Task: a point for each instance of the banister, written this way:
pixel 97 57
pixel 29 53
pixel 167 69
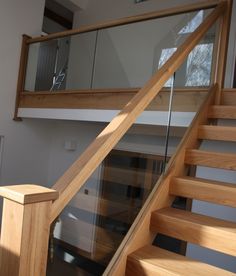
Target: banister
pixel 128 20
pixel 25 229
pixel 81 170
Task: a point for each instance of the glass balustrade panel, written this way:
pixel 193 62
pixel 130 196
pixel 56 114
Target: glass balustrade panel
pixel 96 220
pixel 120 57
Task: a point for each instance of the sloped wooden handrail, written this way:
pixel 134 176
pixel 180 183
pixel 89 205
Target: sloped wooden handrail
pixel 127 20
pixel 139 234
pixel 69 184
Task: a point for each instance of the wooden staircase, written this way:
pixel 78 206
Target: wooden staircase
pixel 209 232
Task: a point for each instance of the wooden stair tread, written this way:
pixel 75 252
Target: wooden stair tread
pixel 222 112
pixel 205 231
pixel 151 260
pixel 204 189
pixel 220 133
pixel 210 159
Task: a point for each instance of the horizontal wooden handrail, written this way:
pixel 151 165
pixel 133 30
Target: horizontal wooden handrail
pixel 81 170
pixel 134 90
pixel 128 20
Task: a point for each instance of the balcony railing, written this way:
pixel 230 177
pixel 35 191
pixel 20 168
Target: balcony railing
pixel 30 210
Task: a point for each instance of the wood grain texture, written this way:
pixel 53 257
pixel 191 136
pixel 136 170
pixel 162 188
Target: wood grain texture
pixel 205 231
pixel 114 100
pixel 222 48
pixel 219 133
pixel 211 159
pixel 128 20
pixel 128 90
pixel 222 111
pixel 26 194
pixel 81 170
pixel 203 189
pixel 153 261
pixel 21 74
pixel 24 238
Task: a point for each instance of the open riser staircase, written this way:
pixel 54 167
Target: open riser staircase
pixel 209 232
pixel 34 209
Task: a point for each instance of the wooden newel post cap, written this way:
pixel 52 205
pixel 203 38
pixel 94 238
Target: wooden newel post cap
pixel 26 194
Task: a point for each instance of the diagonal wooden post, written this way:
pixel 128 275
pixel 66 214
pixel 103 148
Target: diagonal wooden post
pixel 222 49
pixel 25 230
pixel 21 74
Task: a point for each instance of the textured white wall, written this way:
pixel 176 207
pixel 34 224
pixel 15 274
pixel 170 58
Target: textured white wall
pixel 26 144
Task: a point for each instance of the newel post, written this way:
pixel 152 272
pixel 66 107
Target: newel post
pixel 25 229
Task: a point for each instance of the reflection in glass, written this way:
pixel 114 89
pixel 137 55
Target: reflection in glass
pixel 198 71
pixel 193 23
pixel 118 57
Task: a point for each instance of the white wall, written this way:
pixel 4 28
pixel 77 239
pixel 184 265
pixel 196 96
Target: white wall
pixel 26 144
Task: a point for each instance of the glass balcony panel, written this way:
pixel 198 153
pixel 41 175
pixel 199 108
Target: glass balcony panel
pixel 95 222
pixel 119 57
pixel 61 64
pixel 128 55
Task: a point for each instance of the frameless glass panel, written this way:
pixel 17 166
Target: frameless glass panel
pixel 197 69
pixel 127 56
pixel 61 64
pixel 119 57
pixel 81 61
pixel 96 220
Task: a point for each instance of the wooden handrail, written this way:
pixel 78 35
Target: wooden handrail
pixel 81 170
pixel 127 20
pixel 25 229
pixel 139 234
pixel 21 74
pixel 184 89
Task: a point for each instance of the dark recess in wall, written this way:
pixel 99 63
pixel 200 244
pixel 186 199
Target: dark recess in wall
pixel 234 84
pixel 58 14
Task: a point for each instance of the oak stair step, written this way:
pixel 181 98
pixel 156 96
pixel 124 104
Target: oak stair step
pixel 205 231
pixel 152 261
pixel 219 133
pixel 210 159
pixel 222 112
pixel 204 189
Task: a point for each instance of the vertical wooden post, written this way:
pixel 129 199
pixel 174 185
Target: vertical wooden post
pixel 25 230
pixel 222 49
pixel 21 74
